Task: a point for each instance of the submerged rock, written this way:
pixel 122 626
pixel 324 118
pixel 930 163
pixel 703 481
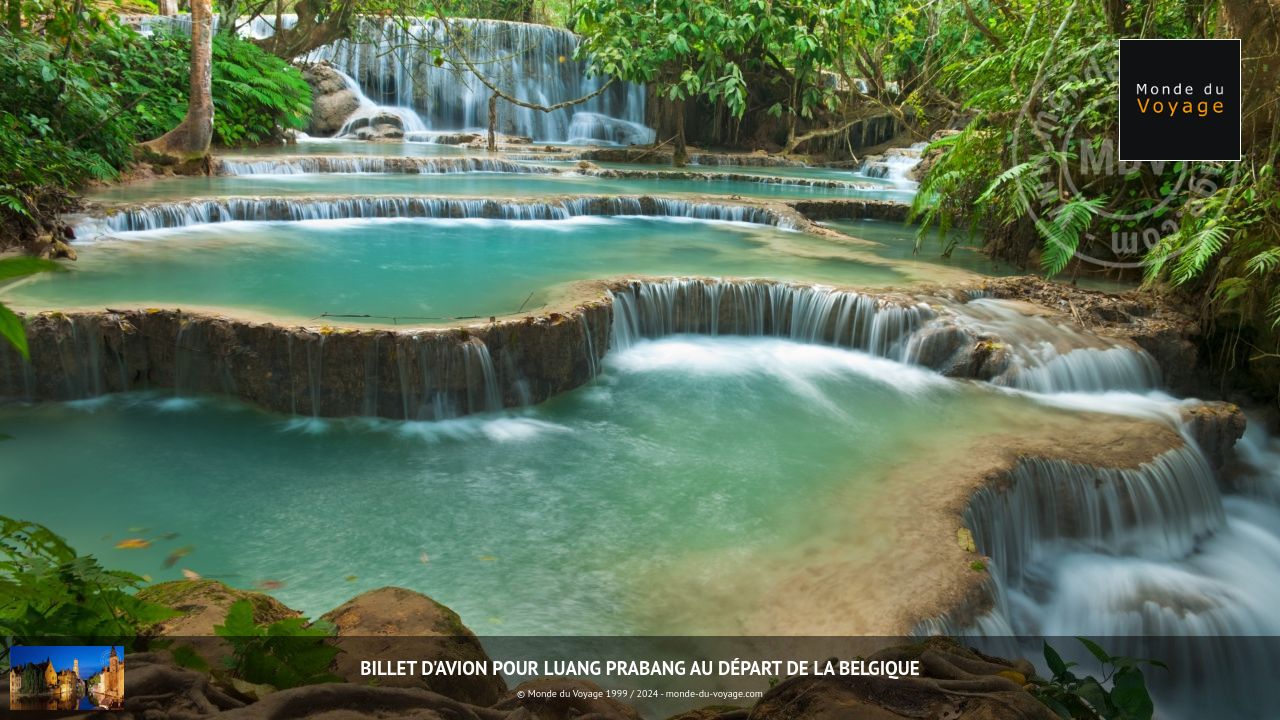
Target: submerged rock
pixel 391 622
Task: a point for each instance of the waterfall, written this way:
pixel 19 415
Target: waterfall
pixel 1047 356
pixel 476 353
pixel 894 165
pixel 307 165
pixel 804 313
pixel 1160 510
pixel 1152 561
pixel 155 216
pixel 396 64
pixel 368 112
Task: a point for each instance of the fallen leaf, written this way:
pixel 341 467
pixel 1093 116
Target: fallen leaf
pixel 177 555
pixel 190 574
pixel 488 558
pixel 424 559
pixel 133 544
pixel 352 578
pixel 270 584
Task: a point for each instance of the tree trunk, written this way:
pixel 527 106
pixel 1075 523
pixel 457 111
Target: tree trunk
pixel 680 155
pixel 168 7
pixel 190 140
pixel 1257 24
pixel 493 122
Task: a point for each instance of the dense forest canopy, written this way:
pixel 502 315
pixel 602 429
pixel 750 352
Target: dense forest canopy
pixel 82 90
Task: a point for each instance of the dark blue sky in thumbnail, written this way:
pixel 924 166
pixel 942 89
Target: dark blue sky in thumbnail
pixel 93 658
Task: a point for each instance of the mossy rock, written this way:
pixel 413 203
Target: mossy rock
pixel 393 623
pixel 202 604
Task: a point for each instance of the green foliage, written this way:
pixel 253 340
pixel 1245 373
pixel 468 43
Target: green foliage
pixel 806 55
pixel 47 591
pixel 1088 698
pixel 287 653
pixel 57 128
pixel 255 94
pixel 11 327
pixel 82 92
pixel 1037 159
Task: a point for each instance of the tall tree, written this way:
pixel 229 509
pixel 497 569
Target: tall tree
pixel 190 139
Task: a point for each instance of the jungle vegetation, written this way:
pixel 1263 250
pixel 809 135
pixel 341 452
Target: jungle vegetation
pixel 82 91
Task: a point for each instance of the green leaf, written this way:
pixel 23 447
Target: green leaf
pixel 13 330
pixel 21 266
pixel 1096 650
pixel 1054 660
pixel 1130 697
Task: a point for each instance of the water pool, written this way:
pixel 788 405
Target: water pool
pixel 422 268
pixel 472 184
pixel 627 506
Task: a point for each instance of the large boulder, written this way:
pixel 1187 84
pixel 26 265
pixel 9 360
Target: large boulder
pixel 202 604
pixel 391 623
pixel 332 99
pixel 379 126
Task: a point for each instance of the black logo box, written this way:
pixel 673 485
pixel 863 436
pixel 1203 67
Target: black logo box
pixel 1194 65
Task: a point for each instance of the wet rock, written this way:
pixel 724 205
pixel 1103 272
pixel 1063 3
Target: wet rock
pixel 852 209
pixel 48 247
pixel 459 138
pixel 1215 426
pixel 365 372
pixel 381 126
pixel 544 699
pixel 1165 332
pixel 956 683
pixel 946 348
pixel 391 623
pixel 202 604
pixel 332 100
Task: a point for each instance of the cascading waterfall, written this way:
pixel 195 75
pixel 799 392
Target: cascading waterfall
pixel 155 216
pixel 1151 562
pixel 396 64
pixel 894 165
pixel 1046 356
pixel 804 313
pixel 368 113
pixel 1154 561
pixel 374 165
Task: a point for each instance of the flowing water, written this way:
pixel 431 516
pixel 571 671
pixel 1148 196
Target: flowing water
pixel 417 268
pixel 524 521
pixel 395 64
pixel 737 455
pixel 467 184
